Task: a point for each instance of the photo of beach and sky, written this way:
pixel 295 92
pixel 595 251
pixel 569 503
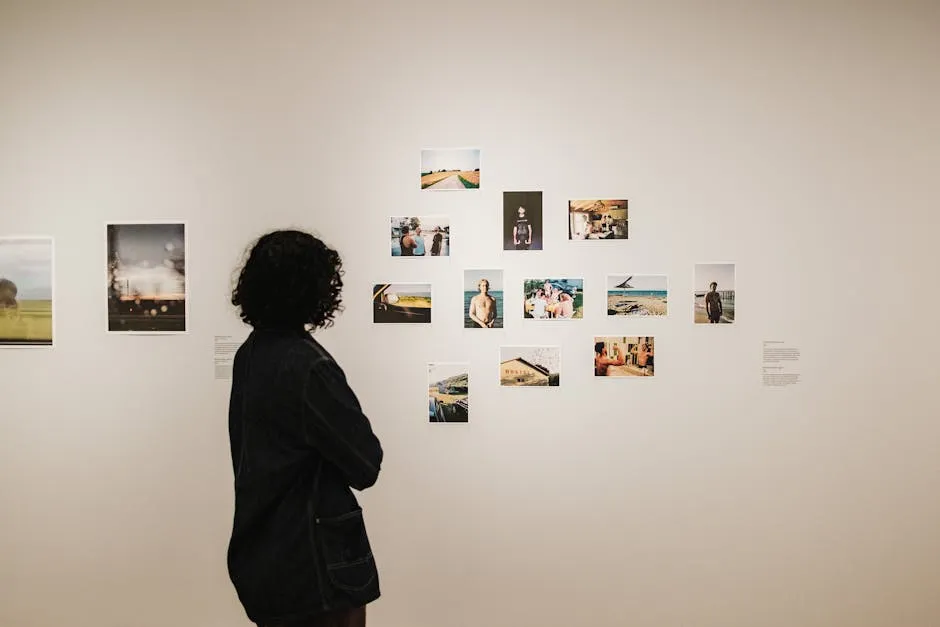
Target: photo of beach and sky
pixel 422 236
pixel 714 293
pixel 529 366
pixel 450 169
pixel 26 317
pixel 483 299
pixel 147 278
pixel 553 299
pixel 401 303
pixel 636 295
pixel 448 392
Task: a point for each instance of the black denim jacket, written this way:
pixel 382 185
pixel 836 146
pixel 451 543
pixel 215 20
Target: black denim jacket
pixel 299 442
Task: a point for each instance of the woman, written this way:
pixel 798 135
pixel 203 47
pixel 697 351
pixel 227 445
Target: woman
pixel 299 554
pixel 436 245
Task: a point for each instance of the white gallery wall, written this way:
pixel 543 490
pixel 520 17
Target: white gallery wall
pixel 799 140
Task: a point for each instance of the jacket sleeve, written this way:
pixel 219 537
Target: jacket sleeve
pixel 334 424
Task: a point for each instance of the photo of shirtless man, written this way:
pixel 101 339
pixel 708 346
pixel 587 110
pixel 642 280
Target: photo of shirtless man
pixel 483 307
pixel 483 299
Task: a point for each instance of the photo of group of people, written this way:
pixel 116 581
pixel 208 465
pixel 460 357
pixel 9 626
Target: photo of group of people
pixel 623 356
pixel 553 299
pixel 420 236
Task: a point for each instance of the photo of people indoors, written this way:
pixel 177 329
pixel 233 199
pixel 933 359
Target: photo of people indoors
pixel 554 299
pixel 623 356
pixel 715 303
pixel 597 219
pixel 420 236
pixel 483 299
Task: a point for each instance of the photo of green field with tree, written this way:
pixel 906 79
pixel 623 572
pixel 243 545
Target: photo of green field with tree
pixel 26 301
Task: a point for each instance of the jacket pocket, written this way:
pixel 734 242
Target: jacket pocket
pixel 347 554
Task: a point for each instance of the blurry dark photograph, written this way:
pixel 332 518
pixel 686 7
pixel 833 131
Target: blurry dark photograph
pixel 147 278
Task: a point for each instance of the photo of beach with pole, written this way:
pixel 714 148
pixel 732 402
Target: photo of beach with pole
pixel 636 295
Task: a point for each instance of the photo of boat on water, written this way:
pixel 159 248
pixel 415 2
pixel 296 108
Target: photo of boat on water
pixel 401 303
pixel 636 295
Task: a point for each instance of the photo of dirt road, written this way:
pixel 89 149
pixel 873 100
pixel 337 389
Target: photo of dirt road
pixel 454 169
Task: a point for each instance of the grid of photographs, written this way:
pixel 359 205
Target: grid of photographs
pixel 147 287
pixel 628 296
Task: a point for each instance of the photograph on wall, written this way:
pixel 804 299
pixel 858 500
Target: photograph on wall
pixel 553 299
pixel 522 220
pixel 597 219
pixel 147 288
pixel 483 299
pixel 623 356
pixel 636 295
pixel 714 293
pixel 450 169
pixel 401 303
pixel 26 317
pixel 448 392
pixel 529 366
pixel 420 236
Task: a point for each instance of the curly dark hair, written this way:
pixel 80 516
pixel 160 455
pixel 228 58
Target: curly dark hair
pixel 290 279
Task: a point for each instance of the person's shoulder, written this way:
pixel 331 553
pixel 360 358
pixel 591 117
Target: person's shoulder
pixel 305 353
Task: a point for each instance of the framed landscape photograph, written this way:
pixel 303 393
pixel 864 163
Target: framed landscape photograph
pixel 26 291
pixel 451 169
pixel 401 303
